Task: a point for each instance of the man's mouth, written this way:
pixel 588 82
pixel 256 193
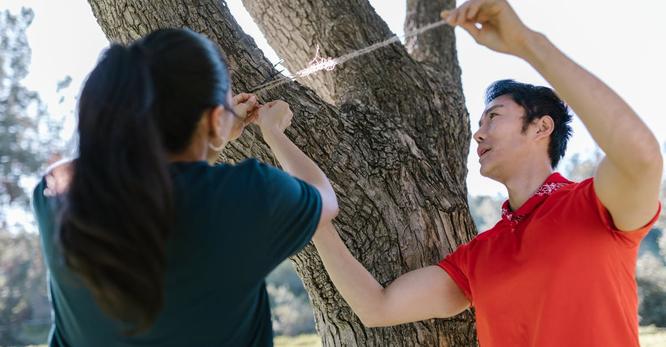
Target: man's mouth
pixel 483 152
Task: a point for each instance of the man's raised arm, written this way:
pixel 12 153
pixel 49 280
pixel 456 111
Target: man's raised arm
pixel 628 179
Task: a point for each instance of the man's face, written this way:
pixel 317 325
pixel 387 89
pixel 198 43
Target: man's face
pixel 501 142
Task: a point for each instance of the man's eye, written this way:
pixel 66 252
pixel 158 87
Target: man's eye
pixel 492 115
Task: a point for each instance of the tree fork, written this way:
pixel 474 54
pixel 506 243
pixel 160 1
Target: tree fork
pixel 397 165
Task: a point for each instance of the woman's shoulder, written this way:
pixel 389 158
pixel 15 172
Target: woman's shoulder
pixel 253 170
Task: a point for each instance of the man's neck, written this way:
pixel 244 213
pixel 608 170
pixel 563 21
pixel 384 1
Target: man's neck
pixel 523 185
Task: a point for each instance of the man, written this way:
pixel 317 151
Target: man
pixel 558 268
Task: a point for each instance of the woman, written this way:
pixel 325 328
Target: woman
pixel 145 242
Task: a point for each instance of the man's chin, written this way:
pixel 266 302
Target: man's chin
pixel 487 172
pixel 483 170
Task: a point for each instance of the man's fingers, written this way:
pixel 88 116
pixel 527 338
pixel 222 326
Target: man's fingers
pixel 448 16
pixel 444 14
pixel 456 15
pixel 473 11
pixel 461 13
pixel 471 28
pixel 466 12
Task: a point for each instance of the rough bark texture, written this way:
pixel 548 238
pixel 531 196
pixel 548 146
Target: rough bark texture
pixel 389 129
pixel 435 48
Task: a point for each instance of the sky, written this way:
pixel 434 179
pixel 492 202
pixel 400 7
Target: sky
pixel 623 43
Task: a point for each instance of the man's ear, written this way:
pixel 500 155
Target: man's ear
pixel 213 118
pixel 544 127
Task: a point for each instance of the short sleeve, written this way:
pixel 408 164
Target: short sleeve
pixel 44 211
pixel 629 238
pixel 38 197
pixel 293 210
pixel 42 208
pixel 456 265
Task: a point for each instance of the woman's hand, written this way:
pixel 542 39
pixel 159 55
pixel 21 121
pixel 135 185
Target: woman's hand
pixel 273 116
pixel 245 105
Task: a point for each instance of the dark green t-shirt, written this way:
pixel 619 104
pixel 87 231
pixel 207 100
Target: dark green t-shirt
pixel 234 224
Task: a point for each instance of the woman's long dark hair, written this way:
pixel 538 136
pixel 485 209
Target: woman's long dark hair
pixel 140 103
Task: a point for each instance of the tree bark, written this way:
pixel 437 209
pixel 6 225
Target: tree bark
pixel 388 128
pixel 435 48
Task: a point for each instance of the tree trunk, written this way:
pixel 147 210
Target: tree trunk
pixel 389 129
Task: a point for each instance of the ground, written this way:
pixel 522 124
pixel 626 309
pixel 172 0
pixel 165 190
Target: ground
pixel 650 337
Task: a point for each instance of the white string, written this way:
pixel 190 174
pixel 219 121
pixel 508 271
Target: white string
pixel 319 63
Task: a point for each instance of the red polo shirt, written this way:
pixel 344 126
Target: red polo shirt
pixel 555 272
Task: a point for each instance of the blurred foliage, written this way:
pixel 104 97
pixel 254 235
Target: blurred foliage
pixel 291 310
pixel 21 110
pixel 485 210
pixel 28 135
pixel 25 311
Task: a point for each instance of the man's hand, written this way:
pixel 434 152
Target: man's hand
pixel 628 180
pixel 492 23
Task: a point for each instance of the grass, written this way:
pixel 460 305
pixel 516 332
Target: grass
pixel 652 336
pixel 306 340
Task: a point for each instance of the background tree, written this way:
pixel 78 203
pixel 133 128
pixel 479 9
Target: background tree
pixel 291 310
pixel 486 210
pixel 390 130
pixel 20 110
pixel 27 136
pixel 651 273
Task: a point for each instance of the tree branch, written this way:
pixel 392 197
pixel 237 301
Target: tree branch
pixel 436 47
pixel 128 20
pixel 423 103
pixel 422 96
pixel 295 28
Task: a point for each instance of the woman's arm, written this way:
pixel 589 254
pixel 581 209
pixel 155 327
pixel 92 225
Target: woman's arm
pixel 273 118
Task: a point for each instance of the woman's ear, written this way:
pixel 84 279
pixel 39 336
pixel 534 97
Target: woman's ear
pixel 214 121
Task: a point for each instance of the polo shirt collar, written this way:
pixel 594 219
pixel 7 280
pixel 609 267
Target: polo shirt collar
pixel 553 183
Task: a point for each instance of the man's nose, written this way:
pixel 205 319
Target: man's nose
pixel 479 135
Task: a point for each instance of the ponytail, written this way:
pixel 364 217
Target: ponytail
pixel 118 211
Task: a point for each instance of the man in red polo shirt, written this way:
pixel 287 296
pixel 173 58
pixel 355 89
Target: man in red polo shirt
pixel 558 268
